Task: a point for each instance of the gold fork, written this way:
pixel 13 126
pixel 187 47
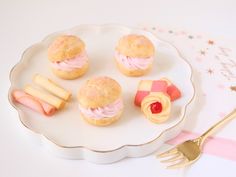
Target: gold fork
pixel 189 151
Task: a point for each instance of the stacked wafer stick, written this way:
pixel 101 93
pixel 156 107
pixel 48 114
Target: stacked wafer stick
pixel 47 101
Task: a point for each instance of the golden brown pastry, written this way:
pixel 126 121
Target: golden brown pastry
pixel 68 57
pixel 156 107
pixel 134 55
pixel 100 101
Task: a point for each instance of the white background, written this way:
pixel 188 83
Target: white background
pixel 23 23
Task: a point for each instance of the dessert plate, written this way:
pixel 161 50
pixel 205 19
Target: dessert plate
pixel 67 135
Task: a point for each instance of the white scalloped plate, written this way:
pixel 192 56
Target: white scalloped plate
pixel 67 135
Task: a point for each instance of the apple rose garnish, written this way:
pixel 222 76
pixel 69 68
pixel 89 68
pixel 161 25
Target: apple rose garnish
pixel 156 107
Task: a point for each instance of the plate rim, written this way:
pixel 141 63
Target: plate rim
pixel 85 147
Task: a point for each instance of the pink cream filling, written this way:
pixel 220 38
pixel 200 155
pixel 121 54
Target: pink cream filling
pixel 108 111
pixel 71 64
pixel 133 63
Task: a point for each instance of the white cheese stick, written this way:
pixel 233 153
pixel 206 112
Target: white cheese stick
pixel 51 86
pixel 50 99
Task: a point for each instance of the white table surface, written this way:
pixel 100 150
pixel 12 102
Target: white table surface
pixel 26 22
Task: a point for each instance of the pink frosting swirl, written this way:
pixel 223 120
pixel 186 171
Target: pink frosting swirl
pixel 133 63
pixel 108 111
pixel 71 64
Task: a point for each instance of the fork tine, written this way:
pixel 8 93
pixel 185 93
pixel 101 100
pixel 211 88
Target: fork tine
pixel 170 152
pixel 177 157
pixel 180 164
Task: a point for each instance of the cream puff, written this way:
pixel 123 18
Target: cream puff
pixel 134 55
pixel 68 57
pixel 100 101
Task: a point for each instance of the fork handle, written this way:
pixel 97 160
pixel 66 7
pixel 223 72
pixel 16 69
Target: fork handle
pixel 219 124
